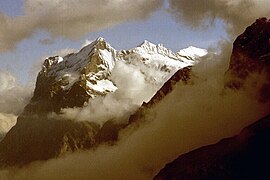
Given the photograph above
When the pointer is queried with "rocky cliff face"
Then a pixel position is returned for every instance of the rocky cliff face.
(250, 55)
(72, 81)
(245, 156)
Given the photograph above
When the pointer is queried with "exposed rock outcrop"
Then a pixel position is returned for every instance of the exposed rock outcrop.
(251, 55)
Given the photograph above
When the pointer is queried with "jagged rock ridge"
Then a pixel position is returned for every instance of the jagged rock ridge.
(86, 74)
(251, 54)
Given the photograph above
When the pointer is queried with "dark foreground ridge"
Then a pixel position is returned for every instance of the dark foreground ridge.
(245, 156)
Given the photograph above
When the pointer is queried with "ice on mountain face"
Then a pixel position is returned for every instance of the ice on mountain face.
(102, 86)
(185, 55)
(94, 63)
(105, 54)
(149, 48)
(192, 53)
(157, 60)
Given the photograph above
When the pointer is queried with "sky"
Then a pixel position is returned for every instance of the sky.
(159, 26)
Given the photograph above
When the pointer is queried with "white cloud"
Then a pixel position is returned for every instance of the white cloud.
(132, 91)
(7, 121)
(71, 18)
(13, 97)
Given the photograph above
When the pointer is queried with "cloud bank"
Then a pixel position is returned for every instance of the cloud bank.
(133, 88)
(236, 14)
(191, 116)
(7, 121)
(70, 18)
(13, 98)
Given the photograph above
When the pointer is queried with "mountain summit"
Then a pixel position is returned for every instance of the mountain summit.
(86, 74)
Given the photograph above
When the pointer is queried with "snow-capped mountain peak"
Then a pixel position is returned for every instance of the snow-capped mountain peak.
(90, 68)
(147, 45)
(100, 43)
(192, 52)
(73, 81)
(151, 48)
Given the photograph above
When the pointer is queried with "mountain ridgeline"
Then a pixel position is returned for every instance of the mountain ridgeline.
(73, 81)
(246, 155)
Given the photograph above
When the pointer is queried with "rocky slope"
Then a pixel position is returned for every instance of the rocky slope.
(251, 55)
(72, 81)
(245, 156)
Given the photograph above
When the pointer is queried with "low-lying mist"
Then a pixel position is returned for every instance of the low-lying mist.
(13, 98)
(133, 88)
(191, 116)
